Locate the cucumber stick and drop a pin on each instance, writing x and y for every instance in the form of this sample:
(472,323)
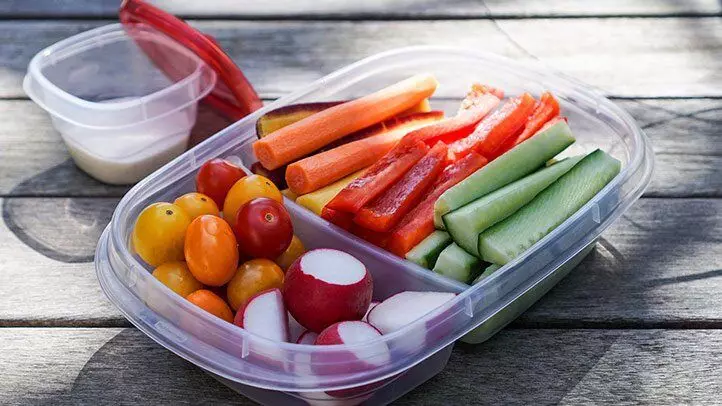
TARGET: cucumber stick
(516,163)
(426,252)
(488,271)
(465,224)
(507,239)
(455,263)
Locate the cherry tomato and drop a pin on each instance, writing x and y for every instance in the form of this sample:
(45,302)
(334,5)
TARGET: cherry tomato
(253,277)
(244,191)
(178,277)
(263,228)
(211,251)
(216,177)
(294,250)
(210,302)
(197,204)
(159,233)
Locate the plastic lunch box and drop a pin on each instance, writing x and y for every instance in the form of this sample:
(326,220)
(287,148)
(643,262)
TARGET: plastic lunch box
(282,373)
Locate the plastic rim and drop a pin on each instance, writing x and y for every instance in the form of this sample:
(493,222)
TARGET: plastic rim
(245,99)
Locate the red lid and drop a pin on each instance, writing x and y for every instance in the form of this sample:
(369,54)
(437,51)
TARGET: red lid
(233,95)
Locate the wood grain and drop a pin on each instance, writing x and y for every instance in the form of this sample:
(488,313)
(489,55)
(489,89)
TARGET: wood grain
(111,366)
(659,265)
(625,57)
(684,134)
(369,9)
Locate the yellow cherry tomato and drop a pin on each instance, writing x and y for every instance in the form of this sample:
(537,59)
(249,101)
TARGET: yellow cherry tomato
(253,277)
(212,303)
(197,204)
(245,190)
(294,250)
(178,277)
(159,233)
(211,250)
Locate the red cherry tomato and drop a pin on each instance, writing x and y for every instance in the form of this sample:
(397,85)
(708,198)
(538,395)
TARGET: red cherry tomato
(263,228)
(216,177)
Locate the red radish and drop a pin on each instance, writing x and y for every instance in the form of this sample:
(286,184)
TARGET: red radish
(295,330)
(357,359)
(308,337)
(371,307)
(404,308)
(325,286)
(265,315)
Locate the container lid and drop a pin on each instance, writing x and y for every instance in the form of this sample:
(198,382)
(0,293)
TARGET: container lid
(233,95)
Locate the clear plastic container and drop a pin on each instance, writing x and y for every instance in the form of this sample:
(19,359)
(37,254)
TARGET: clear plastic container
(282,373)
(120,115)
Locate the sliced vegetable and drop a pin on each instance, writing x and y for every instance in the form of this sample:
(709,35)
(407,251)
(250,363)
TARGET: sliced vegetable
(520,161)
(337,217)
(288,193)
(455,263)
(427,251)
(379,177)
(475,94)
(487,272)
(547,109)
(422,107)
(459,126)
(303,137)
(507,239)
(377,238)
(465,223)
(287,115)
(324,168)
(384,212)
(419,222)
(316,201)
(496,128)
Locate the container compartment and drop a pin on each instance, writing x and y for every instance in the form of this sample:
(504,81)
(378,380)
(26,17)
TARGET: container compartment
(251,363)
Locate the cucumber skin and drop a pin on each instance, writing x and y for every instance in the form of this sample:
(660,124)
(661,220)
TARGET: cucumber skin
(455,263)
(488,271)
(507,239)
(516,163)
(467,222)
(427,251)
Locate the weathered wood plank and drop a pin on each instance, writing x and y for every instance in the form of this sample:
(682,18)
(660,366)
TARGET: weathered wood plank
(369,9)
(110,366)
(660,264)
(684,133)
(626,57)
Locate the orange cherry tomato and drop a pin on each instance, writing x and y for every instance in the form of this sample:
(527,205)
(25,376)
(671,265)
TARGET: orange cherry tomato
(210,302)
(211,251)
(253,277)
(178,277)
(245,190)
(159,233)
(197,204)
(294,250)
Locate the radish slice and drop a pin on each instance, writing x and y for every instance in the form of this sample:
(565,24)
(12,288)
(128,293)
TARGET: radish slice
(404,308)
(325,286)
(371,307)
(265,315)
(308,337)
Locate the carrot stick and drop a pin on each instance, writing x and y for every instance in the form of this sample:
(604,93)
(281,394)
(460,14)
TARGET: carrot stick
(326,167)
(379,177)
(496,128)
(311,133)
(384,212)
(419,222)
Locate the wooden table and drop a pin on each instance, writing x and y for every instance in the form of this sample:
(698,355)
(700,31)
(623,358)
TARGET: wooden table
(637,322)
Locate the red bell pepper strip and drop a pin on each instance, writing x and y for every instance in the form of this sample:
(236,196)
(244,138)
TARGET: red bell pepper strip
(384,212)
(339,218)
(459,126)
(496,128)
(379,239)
(474,96)
(379,176)
(419,222)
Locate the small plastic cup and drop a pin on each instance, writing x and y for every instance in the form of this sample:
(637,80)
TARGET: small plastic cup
(120,115)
